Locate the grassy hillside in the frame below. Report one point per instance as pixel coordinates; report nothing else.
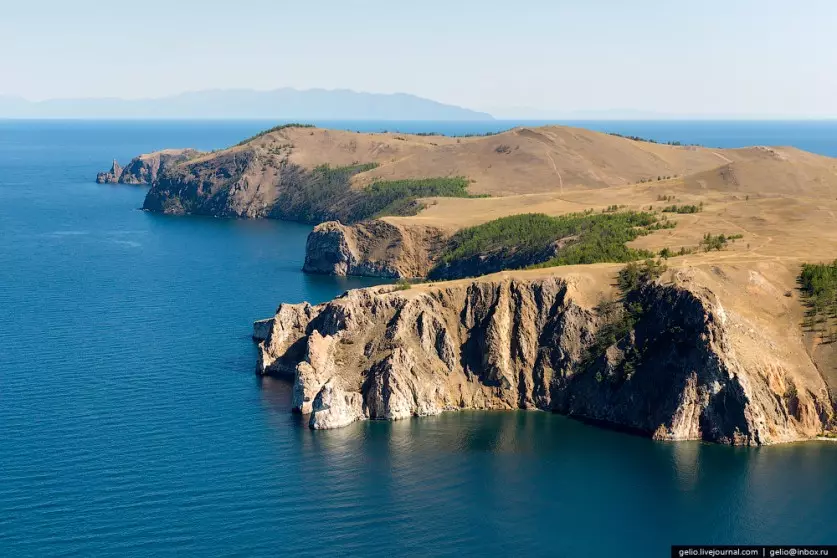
(326, 193)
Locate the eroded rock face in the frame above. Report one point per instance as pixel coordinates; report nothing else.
(145, 168)
(261, 329)
(507, 344)
(373, 249)
(333, 407)
(378, 248)
(237, 184)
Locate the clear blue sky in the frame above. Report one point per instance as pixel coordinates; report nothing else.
(697, 57)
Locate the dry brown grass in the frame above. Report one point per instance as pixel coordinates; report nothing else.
(783, 200)
(550, 159)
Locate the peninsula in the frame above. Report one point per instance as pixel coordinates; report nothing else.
(681, 292)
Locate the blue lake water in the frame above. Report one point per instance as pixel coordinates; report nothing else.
(132, 424)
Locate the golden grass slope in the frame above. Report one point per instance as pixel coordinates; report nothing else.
(522, 160)
(783, 200)
(552, 169)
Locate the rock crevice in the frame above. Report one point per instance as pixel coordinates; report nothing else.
(373, 248)
(380, 353)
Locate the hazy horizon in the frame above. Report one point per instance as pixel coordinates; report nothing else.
(510, 114)
(537, 59)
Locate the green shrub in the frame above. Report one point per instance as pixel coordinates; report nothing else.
(635, 274)
(717, 242)
(683, 208)
(619, 317)
(403, 285)
(475, 135)
(647, 140)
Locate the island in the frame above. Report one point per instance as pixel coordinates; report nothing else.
(677, 291)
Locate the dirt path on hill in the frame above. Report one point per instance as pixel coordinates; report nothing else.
(555, 168)
(724, 157)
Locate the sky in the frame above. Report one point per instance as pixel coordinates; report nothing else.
(707, 57)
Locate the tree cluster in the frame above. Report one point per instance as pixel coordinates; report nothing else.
(717, 242)
(683, 208)
(818, 286)
(577, 238)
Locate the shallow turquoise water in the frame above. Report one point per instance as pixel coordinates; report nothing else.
(131, 423)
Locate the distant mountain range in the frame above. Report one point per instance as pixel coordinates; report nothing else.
(285, 103)
(557, 115)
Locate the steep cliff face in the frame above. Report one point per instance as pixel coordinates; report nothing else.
(373, 248)
(234, 183)
(531, 343)
(378, 248)
(145, 168)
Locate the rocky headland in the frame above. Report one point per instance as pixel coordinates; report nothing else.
(373, 249)
(689, 369)
(144, 169)
(723, 345)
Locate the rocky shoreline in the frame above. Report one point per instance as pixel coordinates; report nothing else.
(712, 351)
(373, 249)
(144, 169)
(508, 343)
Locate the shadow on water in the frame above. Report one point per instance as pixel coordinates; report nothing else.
(561, 482)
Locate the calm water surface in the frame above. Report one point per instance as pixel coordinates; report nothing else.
(131, 423)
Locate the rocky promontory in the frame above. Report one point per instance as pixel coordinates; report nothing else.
(373, 248)
(145, 168)
(716, 348)
(687, 368)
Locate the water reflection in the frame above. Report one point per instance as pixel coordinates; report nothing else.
(461, 478)
(276, 393)
(686, 461)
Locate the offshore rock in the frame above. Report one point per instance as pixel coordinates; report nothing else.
(112, 176)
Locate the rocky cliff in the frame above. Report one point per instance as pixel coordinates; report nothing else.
(373, 248)
(274, 173)
(236, 183)
(689, 368)
(145, 168)
(378, 248)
